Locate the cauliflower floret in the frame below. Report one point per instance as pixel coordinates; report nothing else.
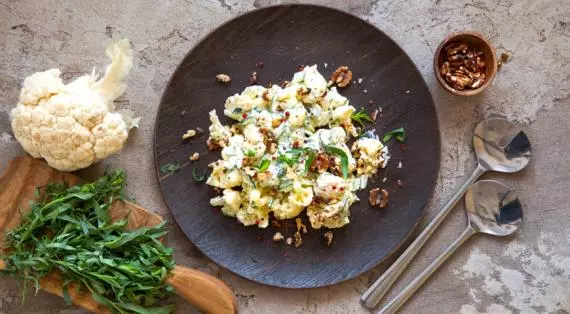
(301, 196)
(224, 178)
(333, 215)
(343, 115)
(329, 186)
(218, 132)
(371, 154)
(250, 98)
(252, 134)
(73, 126)
(297, 117)
(230, 202)
(333, 100)
(285, 210)
(233, 153)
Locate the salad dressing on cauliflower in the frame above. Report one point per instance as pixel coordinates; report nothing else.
(75, 125)
(288, 152)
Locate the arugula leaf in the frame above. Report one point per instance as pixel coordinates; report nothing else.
(170, 168)
(198, 178)
(343, 158)
(399, 134)
(263, 165)
(360, 117)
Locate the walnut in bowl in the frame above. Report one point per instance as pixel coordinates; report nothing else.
(465, 63)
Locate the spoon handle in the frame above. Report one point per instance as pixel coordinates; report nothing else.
(378, 290)
(409, 290)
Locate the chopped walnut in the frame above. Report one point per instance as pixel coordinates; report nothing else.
(289, 241)
(195, 157)
(374, 197)
(265, 96)
(298, 239)
(190, 133)
(328, 238)
(276, 224)
(321, 163)
(253, 78)
(341, 76)
(463, 67)
(378, 197)
(300, 225)
(278, 237)
(223, 78)
(384, 199)
(213, 144)
(374, 114)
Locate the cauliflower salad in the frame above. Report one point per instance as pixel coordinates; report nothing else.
(288, 151)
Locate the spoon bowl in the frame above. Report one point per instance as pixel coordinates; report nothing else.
(501, 145)
(493, 208)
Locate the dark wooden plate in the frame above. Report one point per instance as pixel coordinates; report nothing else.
(284, 37)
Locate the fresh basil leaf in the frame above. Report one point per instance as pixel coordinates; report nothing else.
(399, 134)
(170, 168)
(343, 158)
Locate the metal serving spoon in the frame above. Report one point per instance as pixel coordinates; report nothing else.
(492, 208)
(500, 146)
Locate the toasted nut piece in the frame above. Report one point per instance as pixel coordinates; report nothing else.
(300, 225)
(321, 163)
(289, 241)
(374, 114)
(195, 157)
(374, 197)
(298, 239)
(253, 78)
(505, 57)
(328, 238)
(341, 76)
(384, 199)
(278, 237)
(276, 224)
(190, 133)
(223, 78)
(214, 144)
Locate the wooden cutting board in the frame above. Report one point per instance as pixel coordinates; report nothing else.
(17, 187)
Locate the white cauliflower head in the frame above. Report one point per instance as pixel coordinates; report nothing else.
(75, 125)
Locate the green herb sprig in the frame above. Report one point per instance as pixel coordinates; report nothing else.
(361, 117)
(399, 134)
(70, 231)
(170, 168)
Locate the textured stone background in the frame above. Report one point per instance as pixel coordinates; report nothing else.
(525, 274)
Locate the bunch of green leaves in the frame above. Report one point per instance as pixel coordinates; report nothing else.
(70, 231)
(399, 134)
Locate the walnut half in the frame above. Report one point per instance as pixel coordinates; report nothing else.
(341, 76)
(378, 197)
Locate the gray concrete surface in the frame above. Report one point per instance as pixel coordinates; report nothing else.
(529, 273)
